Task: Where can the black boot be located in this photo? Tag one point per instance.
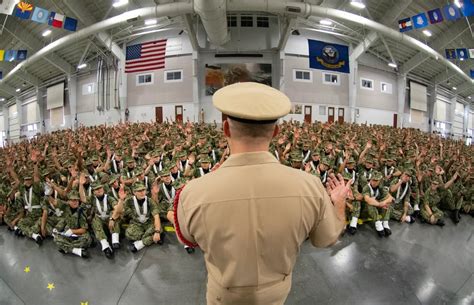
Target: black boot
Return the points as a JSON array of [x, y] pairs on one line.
[[440, 223], [352, 230], [416, 213], [116, 246], [85, 253], [39, 240], [62, 251], [381, 233], [388, 232], [132, 248], [456, 216], [190, 250], [108, 253]]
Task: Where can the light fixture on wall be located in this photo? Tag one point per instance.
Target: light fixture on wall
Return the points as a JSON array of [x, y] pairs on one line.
[[427, 33], [325, 22], [392, 64], [119, 3], [82, 66], [151, 22], [46, 33], [358, 4]]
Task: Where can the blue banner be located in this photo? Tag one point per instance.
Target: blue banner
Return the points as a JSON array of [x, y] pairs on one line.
[[472, 74], [328, 56]]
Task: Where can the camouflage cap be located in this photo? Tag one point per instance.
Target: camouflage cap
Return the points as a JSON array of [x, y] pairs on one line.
[[347, 176], [96, 185], [179, 183], [139, 172], [73, 195], [205, 159], [138, 187], [165, 172], [113, 179], [45, 172], [94, 158], [376, 175], [351, 160], [181, 154], [326, 161]]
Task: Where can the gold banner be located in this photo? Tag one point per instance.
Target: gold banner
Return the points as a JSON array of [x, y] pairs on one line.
[[330, 66]]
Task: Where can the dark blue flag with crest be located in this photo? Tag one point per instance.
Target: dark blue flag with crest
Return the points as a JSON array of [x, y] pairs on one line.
[[328, 56]]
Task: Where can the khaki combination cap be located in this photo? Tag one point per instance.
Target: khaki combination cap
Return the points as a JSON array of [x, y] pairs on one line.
[[252, 101]]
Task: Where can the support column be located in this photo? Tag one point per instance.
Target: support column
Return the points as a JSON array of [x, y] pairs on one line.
[[431, 106], [465, 121], [5, 122], [353, 88], [401, 98], [19, 116], [452, 115], [195, 83], [72, 93], [41, 107], [123, 92]]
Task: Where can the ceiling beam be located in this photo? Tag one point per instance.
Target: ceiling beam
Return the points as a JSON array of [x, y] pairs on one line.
[[438, 43], [390, 16], [188, 24], [87, 19], [289, 26], [7, 89]]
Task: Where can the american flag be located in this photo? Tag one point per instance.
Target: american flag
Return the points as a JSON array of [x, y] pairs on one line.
[[146, 56]]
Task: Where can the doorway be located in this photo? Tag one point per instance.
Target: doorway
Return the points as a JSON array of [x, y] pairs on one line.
[[395, 120], [331, 114], [340, 115], [159, 114], [308, 110], [178, 112]]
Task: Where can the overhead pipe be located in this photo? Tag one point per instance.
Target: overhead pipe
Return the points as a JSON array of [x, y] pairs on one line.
[[213, 14], [170, 9]]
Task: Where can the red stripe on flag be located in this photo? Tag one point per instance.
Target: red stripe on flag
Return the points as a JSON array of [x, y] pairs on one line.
[[154, 42], [145, 60], [144, 65], [144, 69]]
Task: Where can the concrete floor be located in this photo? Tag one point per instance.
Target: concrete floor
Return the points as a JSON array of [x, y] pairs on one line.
[[418, 264]]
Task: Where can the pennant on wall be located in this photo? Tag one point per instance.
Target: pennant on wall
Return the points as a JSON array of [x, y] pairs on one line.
[[420, 21], [10, 55], [328, 56], [2, 54], [451, 12], [23, 10], [1, 75], [471, 53], [21, 54], [40, 15], [7, 7], [462, 54], [70, 24], [467, 7], [405, 25], [56, 20], [435, 16], [450, 53], [472, 73]]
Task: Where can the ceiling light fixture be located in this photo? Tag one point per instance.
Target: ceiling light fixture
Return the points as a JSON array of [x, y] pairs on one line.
[[18, 90], [82, 66], [392, 64], [119, 3], [151, 22], [3, 99], [427, 33], [46, 33], [457, 3], [325, 22], [358, 4], [469, 97], [454, 88]]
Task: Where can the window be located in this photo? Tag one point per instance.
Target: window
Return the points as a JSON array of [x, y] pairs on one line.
[[144, 79], [32, 127], [386, 88], [322, 110], [302, 76], [88, 89], [173, 76], [331, 79], [232, 21], [367, 84], [262, 22], [246, 21]]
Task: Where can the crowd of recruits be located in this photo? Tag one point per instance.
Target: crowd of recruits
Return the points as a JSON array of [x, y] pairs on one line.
[[101, 185]]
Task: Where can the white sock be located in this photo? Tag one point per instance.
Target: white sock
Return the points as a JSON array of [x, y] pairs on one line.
[[115, 238], [105, 244], [408, 219], [139, 245], [417, 207], [385, 224], [77, 251], [353, 222], [378, 225], [34, 236]]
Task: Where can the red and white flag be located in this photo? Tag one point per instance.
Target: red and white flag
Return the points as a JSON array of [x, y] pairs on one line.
[[146, 56]]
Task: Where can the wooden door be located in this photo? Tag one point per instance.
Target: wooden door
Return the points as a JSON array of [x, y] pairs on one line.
[[340, 115], [159, 114], [178, 111], [395, 120], [224, 117], [331, 114], [308, 114]]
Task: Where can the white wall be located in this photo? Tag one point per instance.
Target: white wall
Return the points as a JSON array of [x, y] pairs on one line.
[[146, 113], [376, 98], [375, 116]]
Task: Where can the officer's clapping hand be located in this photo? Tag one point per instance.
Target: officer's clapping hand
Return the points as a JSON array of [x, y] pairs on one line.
[[338, 190]]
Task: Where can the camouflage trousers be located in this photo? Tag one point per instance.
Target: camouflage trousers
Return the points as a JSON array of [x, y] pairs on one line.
[[467, 207], [101, 227], [9, 218], [397, 211], [450, 202], [51, 223], [379, 213], [438, 214], [30, 225], [67, 243], [355, 212], [138, 231]]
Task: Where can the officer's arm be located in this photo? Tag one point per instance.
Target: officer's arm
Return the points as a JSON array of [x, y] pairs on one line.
[[328, 226]]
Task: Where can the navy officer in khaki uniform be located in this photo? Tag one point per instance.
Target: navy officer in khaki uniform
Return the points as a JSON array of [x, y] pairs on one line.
[[251, 222]]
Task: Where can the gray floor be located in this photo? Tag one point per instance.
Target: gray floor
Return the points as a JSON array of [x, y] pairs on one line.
[[418, 264]]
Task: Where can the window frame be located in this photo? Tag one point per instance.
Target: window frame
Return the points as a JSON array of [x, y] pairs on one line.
[[362, 79], [165, 77], [389, 86], [295, 79], [325, 82], [137, 79], [247, 16], [263, 20]]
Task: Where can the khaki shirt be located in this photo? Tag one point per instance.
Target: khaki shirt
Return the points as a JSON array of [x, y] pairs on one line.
[[249, 218]]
